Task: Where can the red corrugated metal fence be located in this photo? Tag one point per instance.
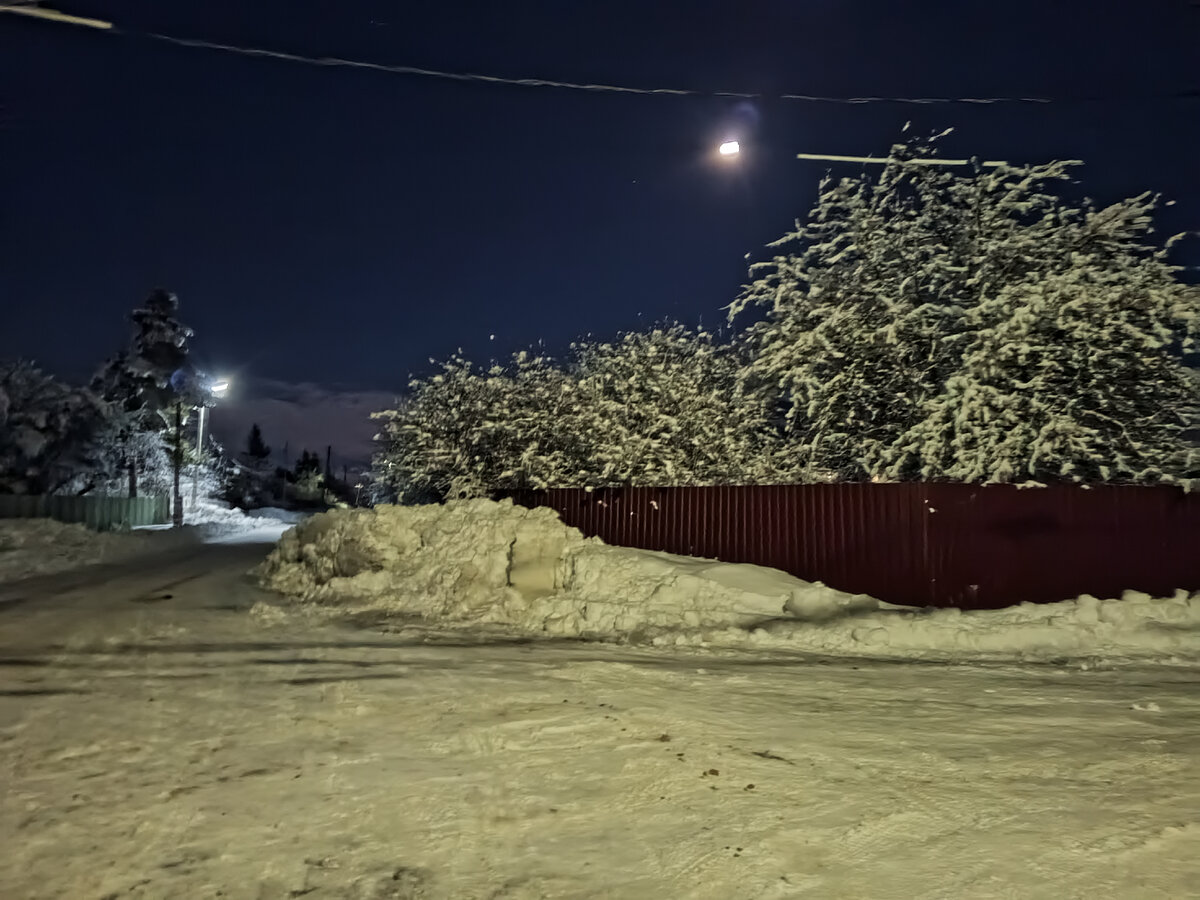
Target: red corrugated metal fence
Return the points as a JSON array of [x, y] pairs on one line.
[[970, 546]]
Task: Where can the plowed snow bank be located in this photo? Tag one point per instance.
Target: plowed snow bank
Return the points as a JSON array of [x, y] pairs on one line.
[[479, 562]]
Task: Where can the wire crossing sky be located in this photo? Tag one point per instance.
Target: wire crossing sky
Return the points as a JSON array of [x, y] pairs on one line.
[[53, 15]]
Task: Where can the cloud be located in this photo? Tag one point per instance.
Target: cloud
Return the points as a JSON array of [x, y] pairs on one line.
[[304, 416]]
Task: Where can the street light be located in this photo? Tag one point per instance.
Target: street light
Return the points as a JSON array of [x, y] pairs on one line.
[[216, 389], [730, 148]]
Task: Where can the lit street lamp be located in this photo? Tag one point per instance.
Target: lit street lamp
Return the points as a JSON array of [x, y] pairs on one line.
[[730, 148], [215, 389]]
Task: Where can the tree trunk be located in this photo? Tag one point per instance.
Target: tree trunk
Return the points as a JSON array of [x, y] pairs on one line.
[[132, 462], [177, 463]]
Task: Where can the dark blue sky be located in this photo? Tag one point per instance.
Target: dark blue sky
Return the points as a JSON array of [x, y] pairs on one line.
[[340, 226]]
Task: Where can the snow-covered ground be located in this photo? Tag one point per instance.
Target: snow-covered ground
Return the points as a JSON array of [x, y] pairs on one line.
[[217, 521], [161, 741], [480, 563], [158, 742], [30, 547]]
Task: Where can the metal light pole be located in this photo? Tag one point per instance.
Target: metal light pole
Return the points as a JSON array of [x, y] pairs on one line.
[[216, 391], [199, 455]]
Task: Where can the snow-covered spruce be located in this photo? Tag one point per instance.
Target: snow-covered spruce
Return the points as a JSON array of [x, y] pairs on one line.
[[924, 324], [140, 389], [478, 563]]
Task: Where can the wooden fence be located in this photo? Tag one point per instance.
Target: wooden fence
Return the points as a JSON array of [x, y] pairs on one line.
[[967, 546], [100, 513]]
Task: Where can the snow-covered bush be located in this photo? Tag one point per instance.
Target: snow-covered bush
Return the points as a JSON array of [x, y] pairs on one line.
[[927, 324], [662, 407], [464, 432], [46, 430], [658, 407]]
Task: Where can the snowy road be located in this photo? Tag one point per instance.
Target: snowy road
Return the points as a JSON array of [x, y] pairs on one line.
[[159, 743]]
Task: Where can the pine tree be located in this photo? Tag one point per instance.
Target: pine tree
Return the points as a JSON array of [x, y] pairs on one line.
[[145, 381], [923, 324], [257, 453]]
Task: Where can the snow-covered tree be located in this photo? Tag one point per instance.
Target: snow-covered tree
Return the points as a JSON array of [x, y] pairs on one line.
[[145, 381], [466, 431], [661, 407], [46, 430], [152, 373], [115, 443], [653, 408], [978, 327]]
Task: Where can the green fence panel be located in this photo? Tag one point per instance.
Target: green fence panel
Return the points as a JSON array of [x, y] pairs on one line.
[[101, 513]]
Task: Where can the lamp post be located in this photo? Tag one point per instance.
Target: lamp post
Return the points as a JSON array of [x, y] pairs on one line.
[[216, 390]]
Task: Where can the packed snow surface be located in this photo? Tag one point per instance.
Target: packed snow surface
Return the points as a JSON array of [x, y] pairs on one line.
[[159, 742], [31, 547], [484, 563]]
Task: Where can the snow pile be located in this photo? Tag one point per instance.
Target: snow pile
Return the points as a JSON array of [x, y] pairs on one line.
[[217, 517], [213, 521], [478, 561], [1134, 626], [482, 563], [42, 546], [275, 514]]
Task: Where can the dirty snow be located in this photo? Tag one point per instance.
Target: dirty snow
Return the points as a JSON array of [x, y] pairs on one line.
[[478, 563]]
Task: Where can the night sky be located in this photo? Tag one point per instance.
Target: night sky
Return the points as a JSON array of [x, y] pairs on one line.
[[338, 227]]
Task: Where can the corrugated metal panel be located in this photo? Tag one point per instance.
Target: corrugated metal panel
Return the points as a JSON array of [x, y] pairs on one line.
[[968, 546]]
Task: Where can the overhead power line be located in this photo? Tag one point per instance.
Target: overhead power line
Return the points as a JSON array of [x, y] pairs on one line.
[[571, 85], [28, 9], [51, 15]]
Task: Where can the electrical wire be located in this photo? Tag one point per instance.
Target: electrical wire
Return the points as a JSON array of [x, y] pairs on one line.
[[27, 9], [109, 27], [571, 85]]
